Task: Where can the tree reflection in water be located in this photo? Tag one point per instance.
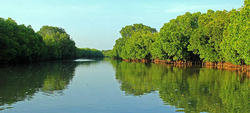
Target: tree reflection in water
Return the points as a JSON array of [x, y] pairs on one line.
[[20, 82], [192, 89]]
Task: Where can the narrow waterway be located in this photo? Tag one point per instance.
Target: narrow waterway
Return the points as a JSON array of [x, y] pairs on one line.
[[112, 86]]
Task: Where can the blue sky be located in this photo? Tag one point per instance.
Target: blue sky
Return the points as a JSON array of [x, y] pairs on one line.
[[96, 23]]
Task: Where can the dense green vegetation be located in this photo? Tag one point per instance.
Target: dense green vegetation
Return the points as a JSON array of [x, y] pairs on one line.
[[19, 43], [58, 42], [135, 42], [215, 36], [191, 89], [88, 53]]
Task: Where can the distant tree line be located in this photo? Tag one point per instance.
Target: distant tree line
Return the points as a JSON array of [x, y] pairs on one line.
[[20, 43], [215, 36], [88, 53]]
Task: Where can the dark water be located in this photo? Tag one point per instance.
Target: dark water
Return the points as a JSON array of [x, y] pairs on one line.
[[111, 86]]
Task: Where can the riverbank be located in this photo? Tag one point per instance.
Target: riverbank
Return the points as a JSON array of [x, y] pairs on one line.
[[216, 65]]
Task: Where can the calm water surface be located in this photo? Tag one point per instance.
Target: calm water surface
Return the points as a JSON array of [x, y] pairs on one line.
[[111, 86]]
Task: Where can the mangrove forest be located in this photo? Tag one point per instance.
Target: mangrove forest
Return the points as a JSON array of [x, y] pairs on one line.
[[215, 37], [20, 43]]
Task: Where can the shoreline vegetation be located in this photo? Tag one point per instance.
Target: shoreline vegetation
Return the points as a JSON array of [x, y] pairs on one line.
[[216, 39], [21, 44]]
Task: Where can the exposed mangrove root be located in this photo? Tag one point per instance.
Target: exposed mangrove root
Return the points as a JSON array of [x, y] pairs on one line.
[[229, 66], [241, 69], [157, 61]]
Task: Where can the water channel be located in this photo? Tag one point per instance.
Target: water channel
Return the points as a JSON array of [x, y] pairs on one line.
[[113, 86]]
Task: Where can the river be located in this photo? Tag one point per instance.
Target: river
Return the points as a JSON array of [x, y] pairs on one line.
[[112, 86]]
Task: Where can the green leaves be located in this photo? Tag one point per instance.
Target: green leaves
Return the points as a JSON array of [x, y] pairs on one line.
[[235, 46], [59, 44], [156, 49], [205, 40], [135, 42], [20, 43], [175, 35], [89, 53], [137, 47]]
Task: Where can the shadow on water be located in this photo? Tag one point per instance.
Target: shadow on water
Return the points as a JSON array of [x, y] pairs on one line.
[[20, 82], [191, 89]]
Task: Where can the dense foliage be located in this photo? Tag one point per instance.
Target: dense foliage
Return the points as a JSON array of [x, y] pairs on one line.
[[134, 43], [19, 43], [215, 36], [88, 53], [58, 42], [206, 39]]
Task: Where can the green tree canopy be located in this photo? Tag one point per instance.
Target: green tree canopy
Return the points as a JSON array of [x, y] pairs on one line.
[[133, 35], [205, 40], [137, 47], [236, 44], [20, 42], [175, 36], [59, 44]]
